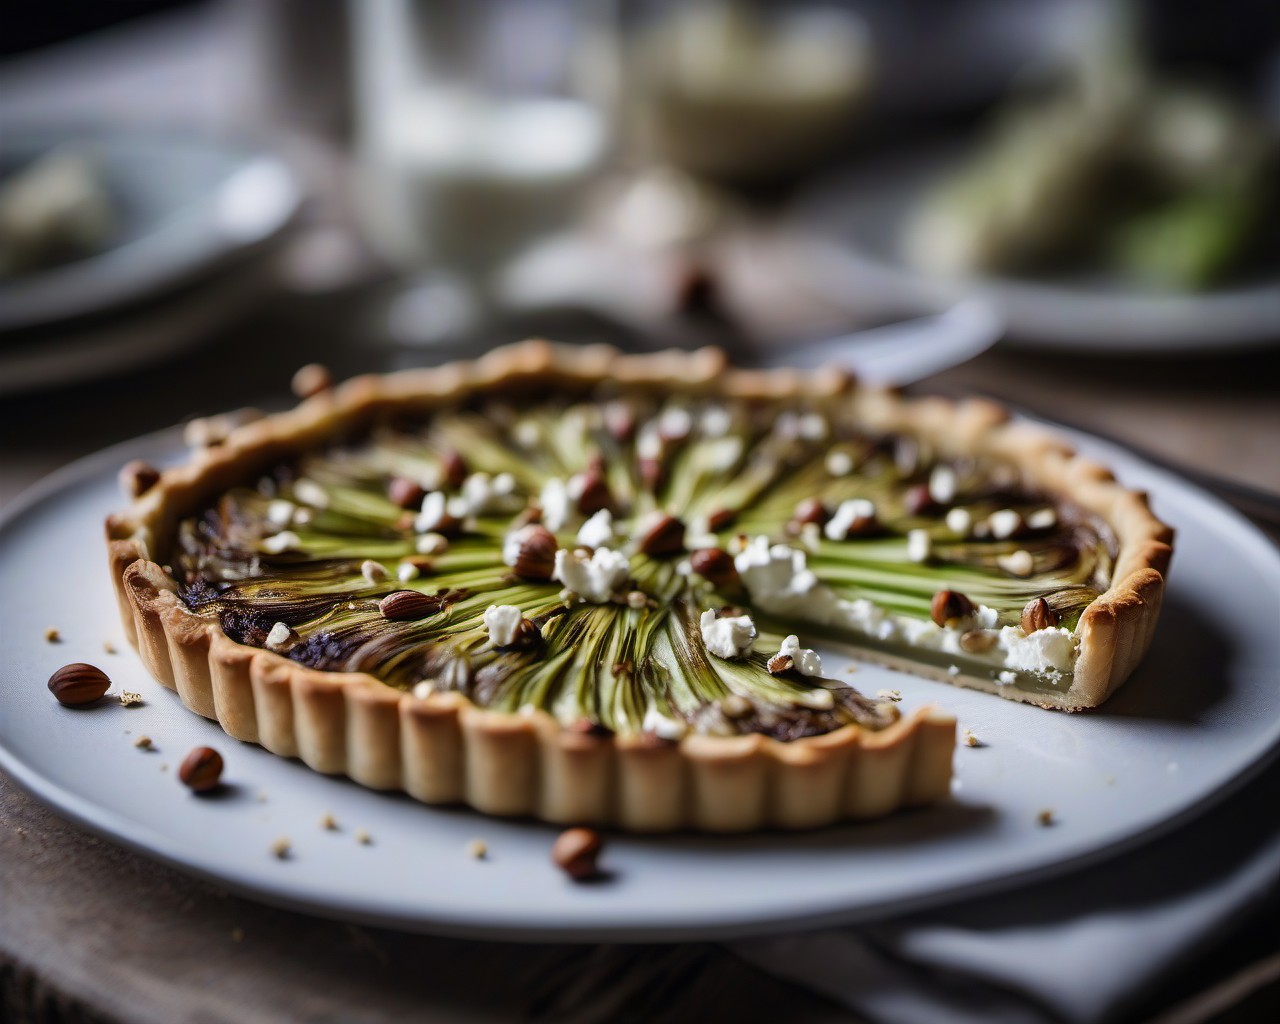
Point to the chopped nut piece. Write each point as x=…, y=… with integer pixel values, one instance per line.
x=143, y=743
x=108, y=647
x=575, y=853
x=363, y=838
x=1046, y=818
x=311, y=380
x=282, y=848
x=329, y=822
x=779, y=664
x=477, y=849
x=970, y=740
x=129, y=699
x=637, y=599
x=52, y=635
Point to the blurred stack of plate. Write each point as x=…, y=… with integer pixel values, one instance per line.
x=181, y=243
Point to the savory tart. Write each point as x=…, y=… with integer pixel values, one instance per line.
x=587, y=586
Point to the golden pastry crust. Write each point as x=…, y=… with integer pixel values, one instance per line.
x=444, y=749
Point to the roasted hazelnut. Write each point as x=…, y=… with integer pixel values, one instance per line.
x=594, y=494
x=664, y=535
x=715, y=565
x=453, y=469
x=811, y=510
x=780, y=663
x=949, y=605
x=720, y=518
x=575, y=853
x=536, y=556
x=78, y=684
x=919, y=501
x=977, y=641
x=407, y=605
x=1037, y=615
x=405, y=492
x=201, y=770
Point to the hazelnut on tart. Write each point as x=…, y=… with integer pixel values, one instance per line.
x=587, y=586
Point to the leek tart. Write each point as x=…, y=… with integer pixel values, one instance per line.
x=586, y=586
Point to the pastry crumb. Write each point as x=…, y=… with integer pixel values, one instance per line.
x=108, y=647
x=282, y=848
x=329, y=822
x=1046, y=818
x=970, y=740
x=143, y=743
x=851, y=669
x=129, y=699
x=363, y=837
x=893, y=695
x=52, y=635
x=478, y=849
x=237, y=934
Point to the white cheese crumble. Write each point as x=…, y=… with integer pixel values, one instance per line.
x=839, y=463
x=942, y=484
x=1020, y=562
x=280, y=512
x=723, y=453
x=960, y=521
x=407, y=571
x=280, y=638
x=424, y=689
x=483, y=494
x=919, y=545
x=1050, y=650
x=554, y=500
x=596, y=532
x=803, y=659
x=846, y=514
x=431, y=512
x=310, y=493
x=431, y=544
x=716, y=421
x=1007, y=678
x=1043, y=519
x=674, y=423
x=373, y=572
x=286, y=540
x=593, y=579
x=503, y=623
x=729, y=637
x=663, y=726
x=1004, y=524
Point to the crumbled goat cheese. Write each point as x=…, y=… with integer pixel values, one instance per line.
x=280, y=638
x=919, y=545
x=597, y=532
x=1044, y=651
x=1004, y=524
x=803, y=659
x=1007, y=678
x=280, y=512
x=663, y=726
x=554, y=500
x=728, y=637
x=407, y=571
x=839, y=463
x=723, y=453
x=424, y=689
x=431, y=513
x=812, y=426
x=1042, y=519
x=483, y=495
x=716, y=421
x=310, y=493
x=503, y=623
x=526, y=434
x=431, y=544
x=286, y=540
x=942, y=484
x=846, y=513
x=959, y=521
x=593, y=579
x=1020, y=562
x=674, y=423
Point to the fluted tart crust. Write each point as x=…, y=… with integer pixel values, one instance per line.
x=451, y=711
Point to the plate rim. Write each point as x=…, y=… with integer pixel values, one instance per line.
x=488, y=926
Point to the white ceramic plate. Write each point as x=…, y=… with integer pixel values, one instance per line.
x=848, y=248
x=1202, y=712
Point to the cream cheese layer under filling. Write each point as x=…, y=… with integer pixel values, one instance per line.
x=633, y=564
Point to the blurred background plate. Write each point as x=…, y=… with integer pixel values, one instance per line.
x=181, y=208
x=849, y=248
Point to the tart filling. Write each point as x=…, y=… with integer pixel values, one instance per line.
x=588, y=587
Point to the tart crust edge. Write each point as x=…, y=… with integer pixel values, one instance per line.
x=444, y=749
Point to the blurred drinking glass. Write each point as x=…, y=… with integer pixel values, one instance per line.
x=479, y=124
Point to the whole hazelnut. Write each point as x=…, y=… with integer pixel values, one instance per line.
x=1037, y=615
x=948, y=605
x=575, y=853
x=201, y=770
x=78, y=684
